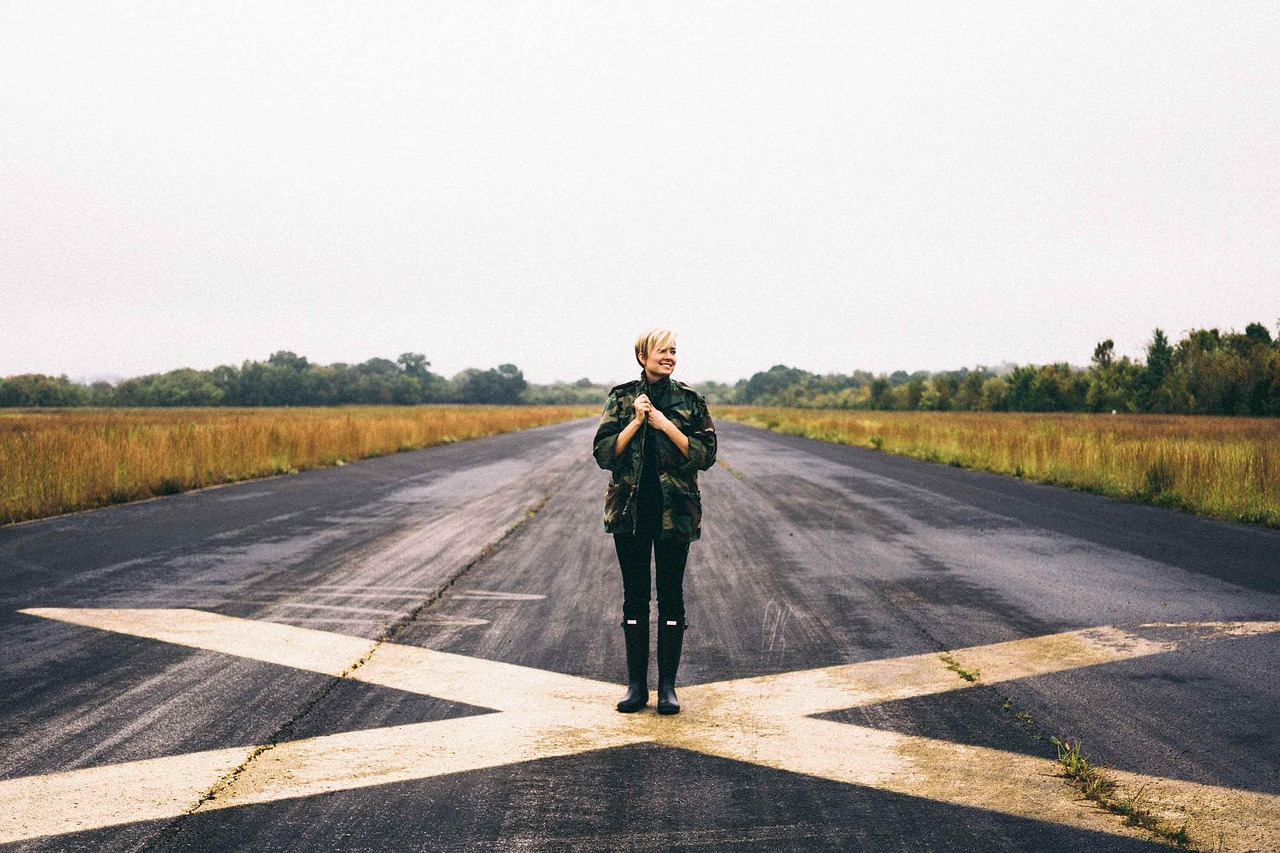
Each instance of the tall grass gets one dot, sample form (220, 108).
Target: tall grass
(53, 462)
(1227, 468)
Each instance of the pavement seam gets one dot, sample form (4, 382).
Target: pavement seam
(1024, 720)
(282, 734)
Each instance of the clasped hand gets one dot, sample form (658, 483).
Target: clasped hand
(645, 410)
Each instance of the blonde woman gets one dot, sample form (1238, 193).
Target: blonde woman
(654, 437)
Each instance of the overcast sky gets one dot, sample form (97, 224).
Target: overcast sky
(831, 186)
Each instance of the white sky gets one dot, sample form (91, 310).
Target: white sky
(831, 186)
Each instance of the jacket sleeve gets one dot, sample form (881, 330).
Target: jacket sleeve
(702, 440)
(611, 423)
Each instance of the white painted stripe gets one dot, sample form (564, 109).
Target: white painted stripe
(458, 678)
(423, 750)
(462, 621)
(498, 596)
(207, 604)
(410, 590)
(297, 605)
(342, 593)
(459, 621)
(286, 645)
(92, 798)
(833, 688)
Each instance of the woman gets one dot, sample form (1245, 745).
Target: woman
(654, 437)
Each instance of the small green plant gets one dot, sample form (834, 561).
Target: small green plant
(968, 674)
(1101, 789)
(877, 442)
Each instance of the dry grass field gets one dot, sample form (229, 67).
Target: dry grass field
(56, 461)
(1227, 468)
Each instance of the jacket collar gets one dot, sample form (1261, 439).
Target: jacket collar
(661, 388)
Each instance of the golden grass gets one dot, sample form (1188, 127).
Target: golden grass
(56, 461)
(1227, 468)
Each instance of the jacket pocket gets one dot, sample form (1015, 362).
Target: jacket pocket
(691, 504)
(615, 503)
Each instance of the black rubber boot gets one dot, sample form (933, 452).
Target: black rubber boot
(636, 633)
(670, 642)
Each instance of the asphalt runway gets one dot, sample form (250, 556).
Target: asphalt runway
(422, 652)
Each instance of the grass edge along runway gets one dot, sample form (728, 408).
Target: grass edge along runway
(57, 461)
(1222, 467)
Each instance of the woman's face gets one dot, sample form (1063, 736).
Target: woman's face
(660, 361)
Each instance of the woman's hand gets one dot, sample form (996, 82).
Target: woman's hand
(664, 424)
(658, 420)
(643, 407)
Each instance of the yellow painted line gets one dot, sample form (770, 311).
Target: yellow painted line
(763, 720)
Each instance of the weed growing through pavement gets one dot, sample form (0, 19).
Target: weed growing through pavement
(1101, 789)
(968, 674)
(1026, 720)
(1093, 782)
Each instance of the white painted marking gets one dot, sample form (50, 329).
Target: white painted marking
(95, 797)
(206, 604)
(341, 593)
(495, 595)
(414, 590)
(338, 620)
(764, 720)
(421, 591)
(457, 621)
(461, 621)
(342, 608)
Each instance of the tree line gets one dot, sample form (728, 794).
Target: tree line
(284, 379)
(1207, 372)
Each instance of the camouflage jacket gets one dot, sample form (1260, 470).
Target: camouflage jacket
(678, 476)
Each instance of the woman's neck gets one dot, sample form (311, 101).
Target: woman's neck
(654, 380)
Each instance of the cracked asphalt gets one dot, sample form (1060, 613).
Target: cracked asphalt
(813, 555)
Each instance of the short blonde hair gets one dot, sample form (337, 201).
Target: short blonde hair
(651, 340)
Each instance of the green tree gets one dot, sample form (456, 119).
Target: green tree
(880, 398)
(37, 389)
(1103, 354)
(969, 395)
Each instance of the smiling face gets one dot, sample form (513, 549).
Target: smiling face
(659, 361)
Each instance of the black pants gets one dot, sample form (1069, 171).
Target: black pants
(669, 557)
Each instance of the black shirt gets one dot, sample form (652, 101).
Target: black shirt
(649, 495)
